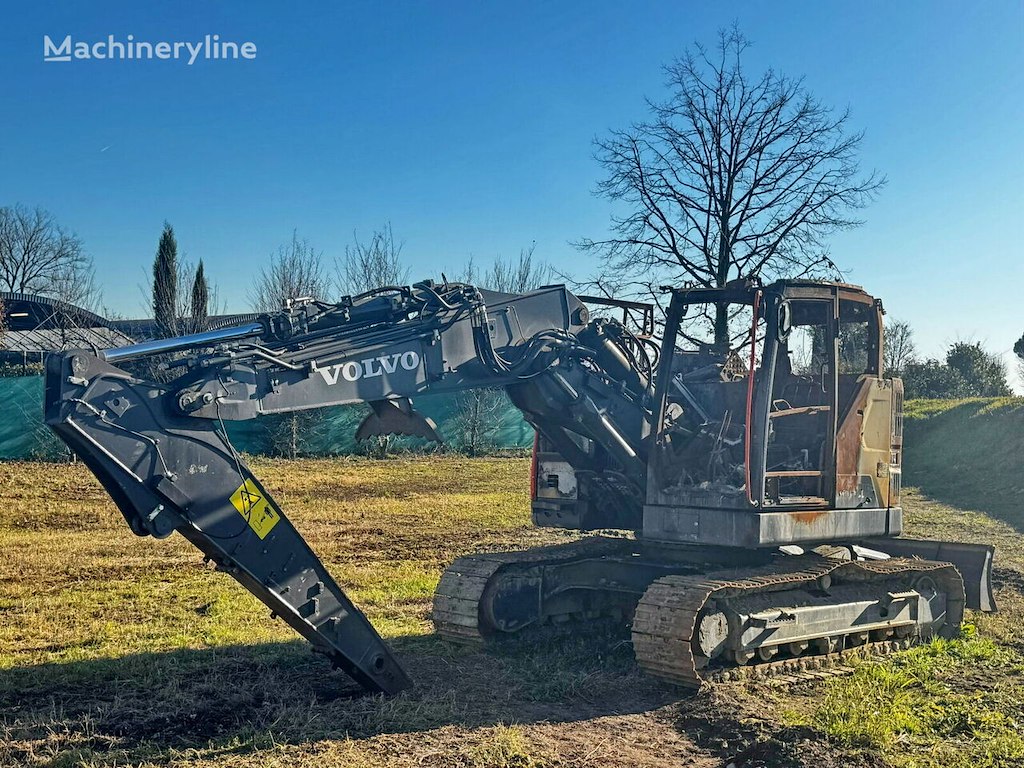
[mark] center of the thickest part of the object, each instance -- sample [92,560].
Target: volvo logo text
[371,367]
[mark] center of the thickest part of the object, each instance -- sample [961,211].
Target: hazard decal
[256,508]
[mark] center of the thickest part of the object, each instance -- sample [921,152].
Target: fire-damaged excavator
[747,495]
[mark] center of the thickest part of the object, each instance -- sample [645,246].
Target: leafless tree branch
[38,255]
[295,271]
[731,177]
[372,264]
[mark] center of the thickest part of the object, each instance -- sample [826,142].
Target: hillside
[968,453]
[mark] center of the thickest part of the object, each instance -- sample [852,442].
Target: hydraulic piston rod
[160,346]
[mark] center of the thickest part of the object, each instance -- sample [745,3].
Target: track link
[666,619]
[805,669]
[457,615]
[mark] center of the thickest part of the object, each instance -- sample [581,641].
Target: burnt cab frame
[819,501]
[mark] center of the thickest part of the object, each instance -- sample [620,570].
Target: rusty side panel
[556,478]
[876,450]
[848,441]
[896,446]
[864,446]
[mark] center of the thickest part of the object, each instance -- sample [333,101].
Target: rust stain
[807,518]
[848,441]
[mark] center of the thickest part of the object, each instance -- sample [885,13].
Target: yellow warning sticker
[256,508]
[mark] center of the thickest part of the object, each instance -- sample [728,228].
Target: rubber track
[457,599]
[666,616]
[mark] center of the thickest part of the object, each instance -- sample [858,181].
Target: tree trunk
[722,326]
[474,424]
[722,278]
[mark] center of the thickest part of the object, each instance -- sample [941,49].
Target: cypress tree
[165,284]
[200,300]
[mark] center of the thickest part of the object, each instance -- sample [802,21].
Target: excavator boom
[169,472]
[161,450]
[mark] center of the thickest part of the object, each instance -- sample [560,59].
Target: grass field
[116,650]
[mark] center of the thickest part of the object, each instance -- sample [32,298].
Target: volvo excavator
[743,498]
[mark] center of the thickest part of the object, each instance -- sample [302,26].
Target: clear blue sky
[469,126]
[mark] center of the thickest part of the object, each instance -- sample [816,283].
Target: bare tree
[376,263]
[373,264]
[77,286]
[290,435]
[38,255]
[476,420]
[732,176]
[295,271]
[517,276]
[898,348]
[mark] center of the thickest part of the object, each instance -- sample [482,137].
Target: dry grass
[116,650]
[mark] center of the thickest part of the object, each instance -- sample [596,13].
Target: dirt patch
[745,734]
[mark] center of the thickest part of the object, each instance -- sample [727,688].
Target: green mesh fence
[475,422]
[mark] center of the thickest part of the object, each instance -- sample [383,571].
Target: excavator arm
[161,449]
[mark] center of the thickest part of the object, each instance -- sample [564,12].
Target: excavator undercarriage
[749,490]
[692,619]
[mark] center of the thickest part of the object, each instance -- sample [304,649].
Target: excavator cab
[760,450]
[787,433]
[790,435]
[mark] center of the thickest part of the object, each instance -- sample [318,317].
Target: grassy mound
[969,453]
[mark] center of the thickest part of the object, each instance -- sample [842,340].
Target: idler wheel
[712,632]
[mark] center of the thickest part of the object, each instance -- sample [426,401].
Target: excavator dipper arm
[172,473]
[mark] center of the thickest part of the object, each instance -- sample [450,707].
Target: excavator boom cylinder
[192,341]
